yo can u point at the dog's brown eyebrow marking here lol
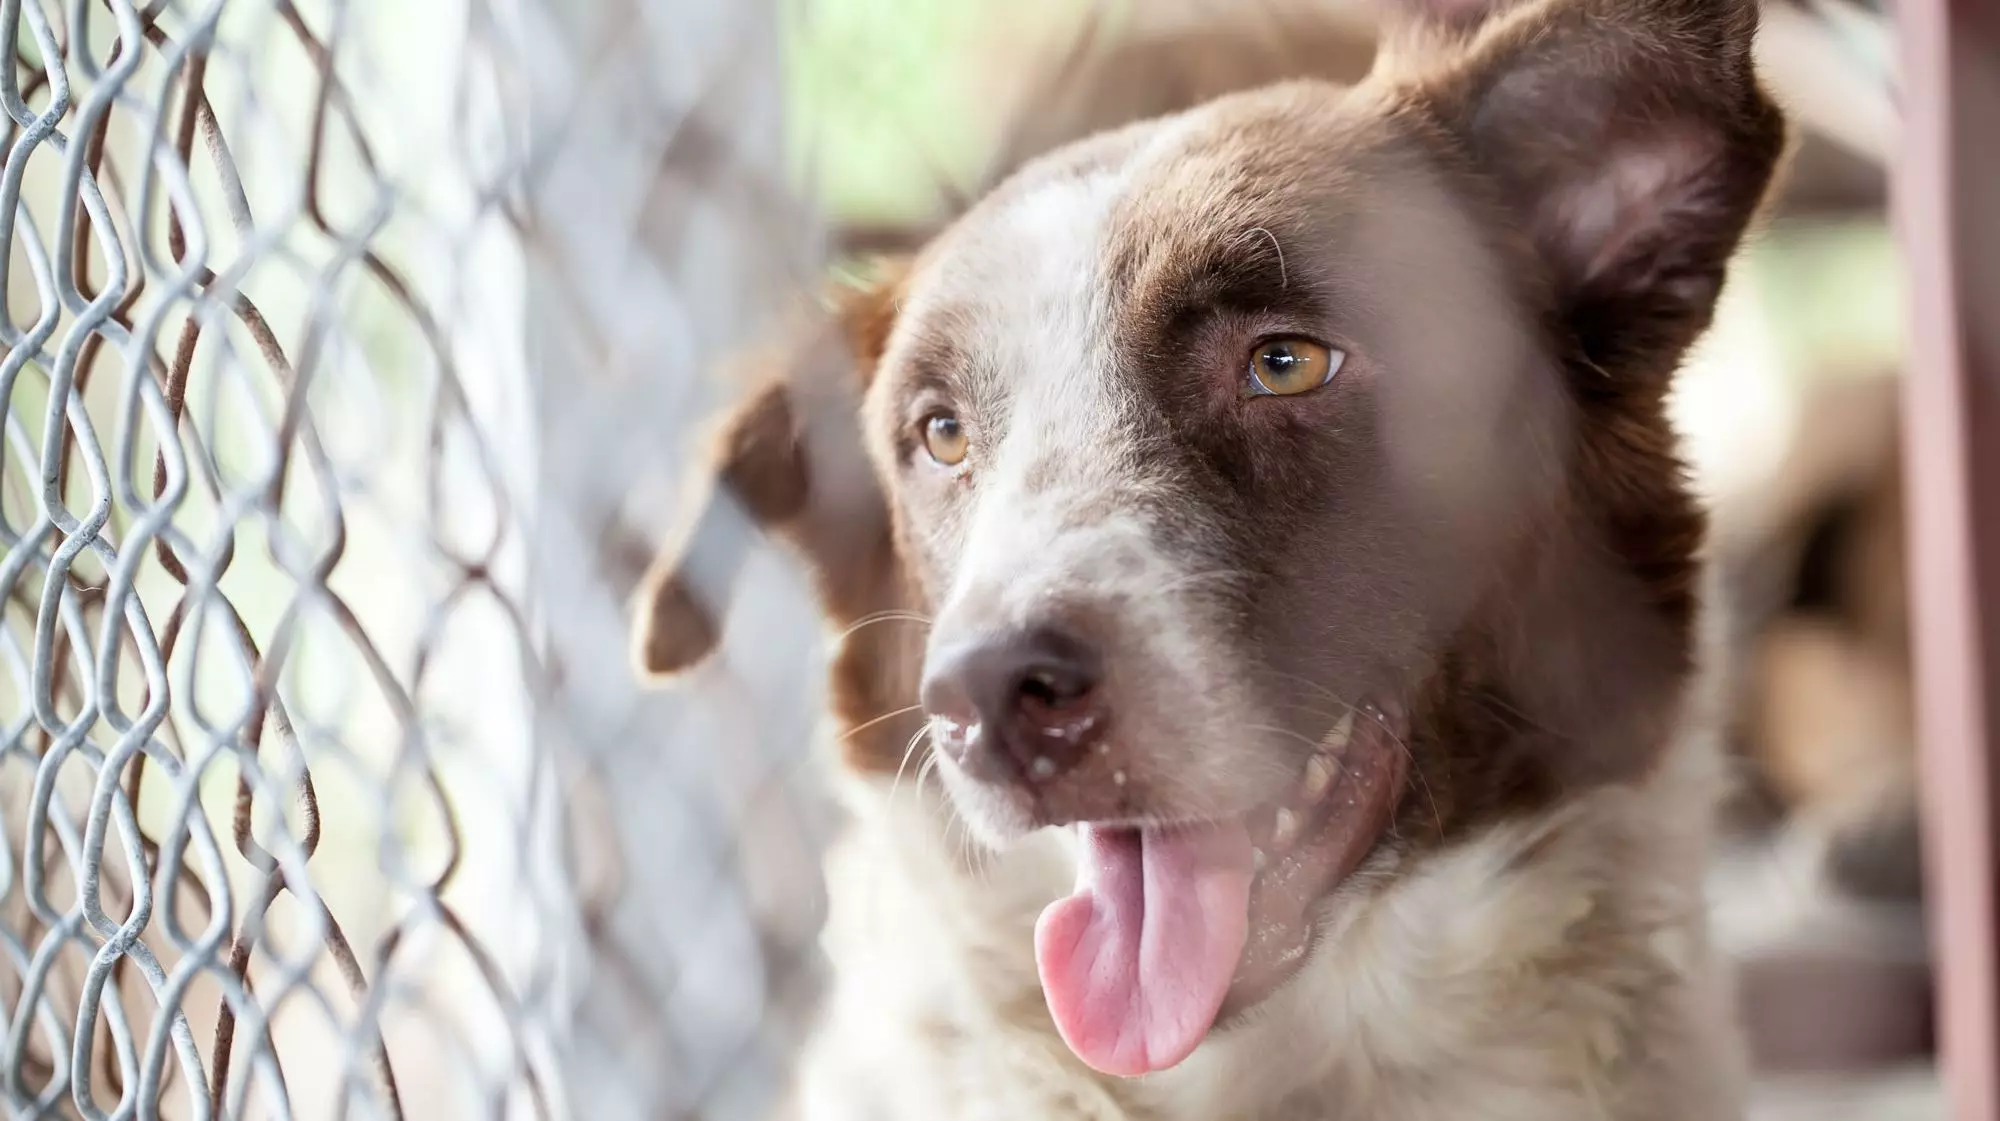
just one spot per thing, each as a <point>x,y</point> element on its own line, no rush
<point>1245,273</point>
<point>928,381</point>
<point>936,364</point>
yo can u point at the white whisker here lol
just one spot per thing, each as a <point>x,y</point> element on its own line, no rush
<point>873,618</point>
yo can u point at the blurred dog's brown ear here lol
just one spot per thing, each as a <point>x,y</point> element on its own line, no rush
<point>1631,142</point>
<point>757,470</point>
<point>1415,33</point>
<point>787,460</point>
<point>866,310</point>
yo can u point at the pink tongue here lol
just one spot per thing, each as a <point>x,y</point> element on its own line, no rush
<point>1135,964</point>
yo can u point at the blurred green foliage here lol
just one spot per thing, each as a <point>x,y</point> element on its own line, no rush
<point>1834,293</point>
<point>880,118</point>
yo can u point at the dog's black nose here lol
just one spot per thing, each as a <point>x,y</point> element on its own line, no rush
<point>1024,702</point>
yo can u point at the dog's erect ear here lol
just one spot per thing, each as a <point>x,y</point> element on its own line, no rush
<point>788,460</point>
<point>1631,142</point>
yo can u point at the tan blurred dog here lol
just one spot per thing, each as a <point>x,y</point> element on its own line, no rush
<point>1824,708</point>
<point>1310,599</point>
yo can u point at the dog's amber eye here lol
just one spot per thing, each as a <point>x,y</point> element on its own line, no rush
<point>945,439</point>
<point>1286,366</point>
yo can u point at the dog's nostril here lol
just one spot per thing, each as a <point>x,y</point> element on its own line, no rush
<point>1057,673</point>
<point>1055,687</point>
<point>1033,693</point>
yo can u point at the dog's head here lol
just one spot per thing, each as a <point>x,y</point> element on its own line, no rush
<point>1254,465</point>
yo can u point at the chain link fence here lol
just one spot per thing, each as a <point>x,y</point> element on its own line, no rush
<point>351,359</point>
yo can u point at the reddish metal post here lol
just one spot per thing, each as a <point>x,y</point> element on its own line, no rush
<point>1947,202</point>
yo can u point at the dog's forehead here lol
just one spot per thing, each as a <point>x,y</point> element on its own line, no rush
<point>1036,250</point>
<point>1036,257</point>
<point>1075,242</point>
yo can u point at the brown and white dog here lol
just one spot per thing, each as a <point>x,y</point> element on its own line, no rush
<point>1274,512</point>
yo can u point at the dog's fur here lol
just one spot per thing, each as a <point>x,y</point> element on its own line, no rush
<point>1514,233</point>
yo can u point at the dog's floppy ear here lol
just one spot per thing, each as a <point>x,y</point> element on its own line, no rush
<point>1630,141</point>
<point>788,460</point>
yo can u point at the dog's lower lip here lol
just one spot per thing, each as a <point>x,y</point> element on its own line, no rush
<point>1291,812</point>
<point>1309,840</point>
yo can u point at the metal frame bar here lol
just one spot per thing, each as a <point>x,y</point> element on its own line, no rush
<point>1948,210</point>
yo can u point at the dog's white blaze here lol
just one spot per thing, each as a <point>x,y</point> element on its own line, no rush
<point>1061,513</point>
<point>1043,327</point>
<point>1067,436</point>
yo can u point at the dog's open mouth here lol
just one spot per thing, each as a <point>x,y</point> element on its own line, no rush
<point>1169,923</point>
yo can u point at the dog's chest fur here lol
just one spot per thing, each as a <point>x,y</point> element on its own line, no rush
<point>1550,968</point>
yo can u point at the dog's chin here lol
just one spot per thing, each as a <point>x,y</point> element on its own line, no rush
<point>1194,922</point>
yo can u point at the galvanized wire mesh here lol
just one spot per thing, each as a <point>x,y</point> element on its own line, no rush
<point>352,353</point>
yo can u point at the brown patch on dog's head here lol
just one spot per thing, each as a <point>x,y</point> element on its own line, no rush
<point>1629,146</point>
<point>787,460</point>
